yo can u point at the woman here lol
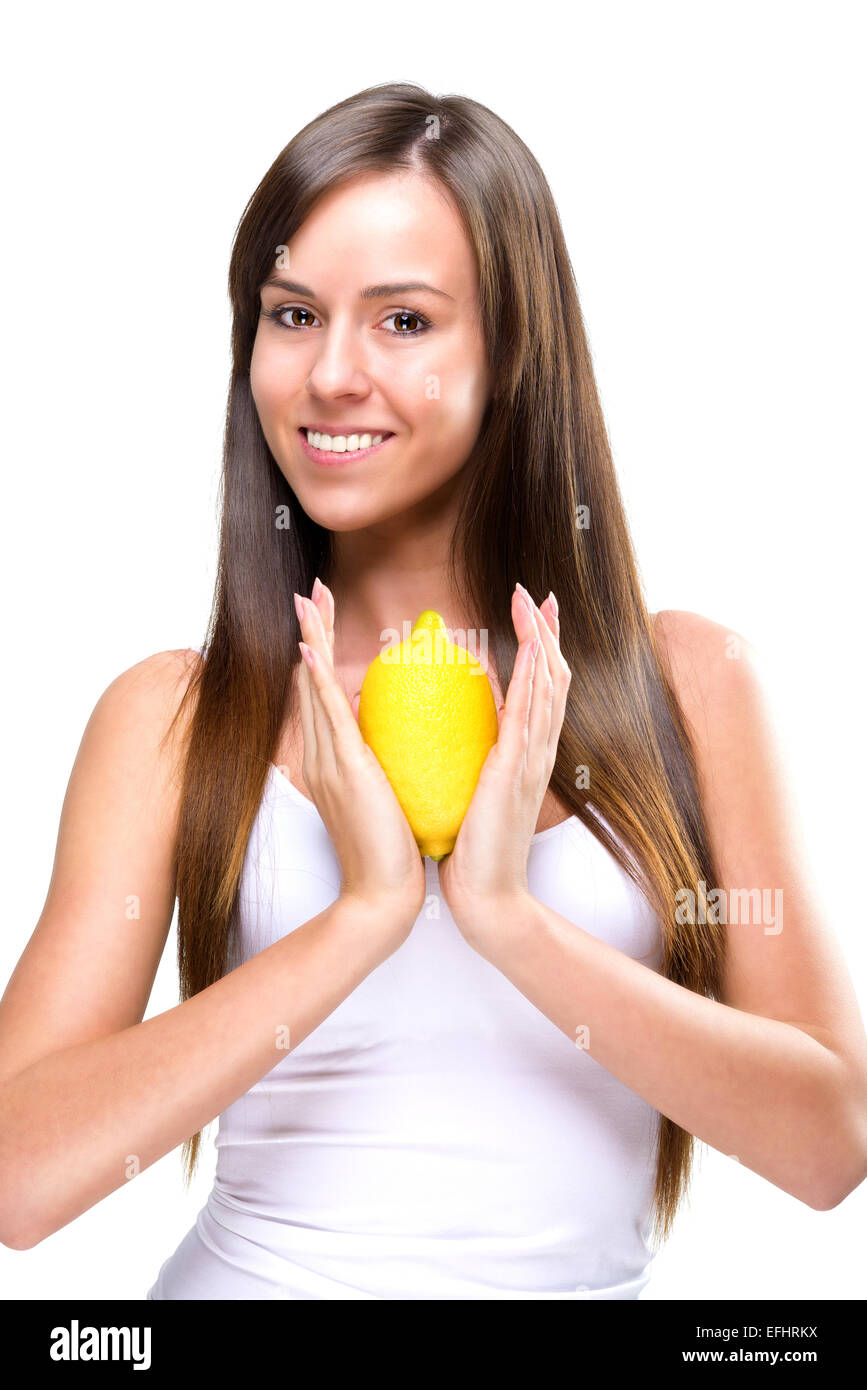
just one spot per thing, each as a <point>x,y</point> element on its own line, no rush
<point>473,1078</point>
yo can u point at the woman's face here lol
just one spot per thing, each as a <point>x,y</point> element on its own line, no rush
<point>342,349</point>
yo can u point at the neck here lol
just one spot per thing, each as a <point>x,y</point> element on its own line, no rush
<point>385,575</point>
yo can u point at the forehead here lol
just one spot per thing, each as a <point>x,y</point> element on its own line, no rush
<point>380,227</point>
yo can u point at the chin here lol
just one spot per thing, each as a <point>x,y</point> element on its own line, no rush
<point>348,516</point>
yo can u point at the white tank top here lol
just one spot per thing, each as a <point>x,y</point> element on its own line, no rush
<point>436,1136</point>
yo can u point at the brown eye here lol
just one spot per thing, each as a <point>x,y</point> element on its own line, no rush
<point>292,312</point>
<point>408,323</point>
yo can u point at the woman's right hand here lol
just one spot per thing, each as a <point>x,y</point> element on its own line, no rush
<point>380,861</point>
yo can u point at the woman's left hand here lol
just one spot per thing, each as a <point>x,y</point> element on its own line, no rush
<point>489,861</point>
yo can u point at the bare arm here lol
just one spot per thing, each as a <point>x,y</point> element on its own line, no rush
<point>77,1123</point>
<point>774,1073</point>
<point>90,1094</point>
<point>761,1090</point>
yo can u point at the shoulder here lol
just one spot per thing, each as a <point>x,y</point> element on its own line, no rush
<point>692,640</point>
<point>158,678</point>
<point>729,699</point>
<point>715,670</point>
<point>727,695</point>
<point>119,811</point>
<point>145,698</point>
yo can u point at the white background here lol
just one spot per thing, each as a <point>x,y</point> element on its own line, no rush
<point>707,161</point>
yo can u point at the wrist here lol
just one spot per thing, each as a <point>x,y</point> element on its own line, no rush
<point>494,921</point>
<point>380,914</point>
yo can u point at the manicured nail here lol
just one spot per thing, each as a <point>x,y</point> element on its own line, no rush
<point>531,607</point>
<point>553,602</point>
<point>526,599</point>
<point>316,591</point>
<point>299,607</point>
<point>308,654</point>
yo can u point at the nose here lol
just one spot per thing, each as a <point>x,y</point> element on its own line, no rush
<point>338,367</point>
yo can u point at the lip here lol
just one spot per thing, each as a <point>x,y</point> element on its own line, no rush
<point>329,460</point>
<point>344,429</point>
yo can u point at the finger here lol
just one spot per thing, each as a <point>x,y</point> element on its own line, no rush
<point>513,735</point>
<point>312,627</point>
<point>339,731</point>
<point>559,668</point>
<point>549,632</point>
<point>306,706</point>
<point>547,609</point>
<point>324,601</point>
<point>538,727</point>
<point>325,755</point>
<point>541,628</point>
<point>542,695</point>
<point>548,625</point>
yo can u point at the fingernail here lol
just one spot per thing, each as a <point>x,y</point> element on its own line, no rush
<point>299,607</point>
<point>525,599</point>
<point>307,654</point>
<point>554,606</point>
<point>316,591</point>
<point>531,607</point>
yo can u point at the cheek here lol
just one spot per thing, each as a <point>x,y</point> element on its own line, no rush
<point>445,392</point>
<point>270,381</point>
<point>454,413</point>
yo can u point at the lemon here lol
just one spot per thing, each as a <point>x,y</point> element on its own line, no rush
<point>428,712</point>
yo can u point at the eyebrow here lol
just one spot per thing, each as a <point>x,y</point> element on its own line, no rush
<point>371,291</point>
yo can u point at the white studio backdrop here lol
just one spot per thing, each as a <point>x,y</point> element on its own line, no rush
<point>707,164</point>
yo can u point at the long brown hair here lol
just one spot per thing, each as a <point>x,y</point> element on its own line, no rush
<point>541,455</point>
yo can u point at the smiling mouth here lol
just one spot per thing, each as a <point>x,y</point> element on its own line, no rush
<point>341,448</point>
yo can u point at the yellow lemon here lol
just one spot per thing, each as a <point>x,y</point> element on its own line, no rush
<point>428,712</point>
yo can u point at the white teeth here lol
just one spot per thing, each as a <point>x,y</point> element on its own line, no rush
<point>340,443</point>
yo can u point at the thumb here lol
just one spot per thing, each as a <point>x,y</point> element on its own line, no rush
<point>356,700</point>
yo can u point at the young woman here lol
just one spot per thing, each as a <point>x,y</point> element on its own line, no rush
<point>479,1077</point>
